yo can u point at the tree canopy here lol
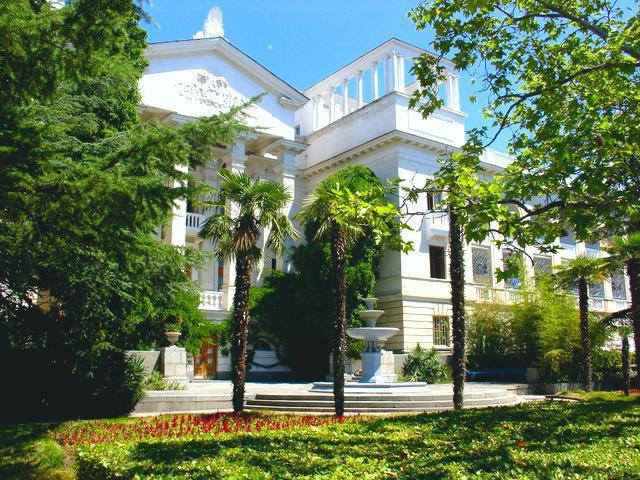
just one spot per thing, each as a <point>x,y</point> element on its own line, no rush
<point>84,190</point>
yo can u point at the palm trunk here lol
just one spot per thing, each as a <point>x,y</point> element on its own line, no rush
<point>585,339</point>
<point>339,334</point>
<point>240,331</point>
<point>633,271</point>
<point>626,373</point>
<point>456,272</point>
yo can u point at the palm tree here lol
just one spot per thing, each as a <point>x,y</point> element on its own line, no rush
<point>242,209</point>
<point>625,252</point>
<point>343,214</point>
<point>458,313</point>
<point>584,270</point>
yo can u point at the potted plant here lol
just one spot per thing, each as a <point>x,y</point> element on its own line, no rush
<point>172,332</point>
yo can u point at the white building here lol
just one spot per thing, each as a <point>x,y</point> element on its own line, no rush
<point>357,115</point>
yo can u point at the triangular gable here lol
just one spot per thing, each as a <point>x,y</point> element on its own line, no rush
<point>206,76</point>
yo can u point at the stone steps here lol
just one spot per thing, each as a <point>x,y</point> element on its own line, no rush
<point>376,403</point>
<point>378,397</point>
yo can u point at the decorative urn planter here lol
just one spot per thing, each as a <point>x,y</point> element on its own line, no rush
<point>172,337</point>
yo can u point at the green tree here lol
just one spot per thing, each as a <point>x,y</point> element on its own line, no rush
<point>242,210</point>
<point>561,83</point>
<point>291,306</point>
<point>343,215</point>
<point>84,189</point>
<point>583,270</point>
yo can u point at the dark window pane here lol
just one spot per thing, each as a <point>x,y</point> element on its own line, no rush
<point>436,262</point>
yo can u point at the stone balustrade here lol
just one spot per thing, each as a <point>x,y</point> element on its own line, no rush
<point>211,300</point>
<point>370,77</point>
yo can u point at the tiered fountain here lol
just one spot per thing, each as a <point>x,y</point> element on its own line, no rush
<point>378,365</point>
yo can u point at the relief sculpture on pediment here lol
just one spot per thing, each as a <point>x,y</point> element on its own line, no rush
<point>210,90</point>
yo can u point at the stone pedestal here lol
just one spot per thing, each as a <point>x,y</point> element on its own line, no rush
<point>174,365</point>
<point>378,367</point>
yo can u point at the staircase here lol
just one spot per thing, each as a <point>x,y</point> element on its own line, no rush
<point>379,403</point>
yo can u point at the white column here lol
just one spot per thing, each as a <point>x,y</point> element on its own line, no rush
<point>359,89</point>
<point>345,97</point>
<point>388,72</point>
<point>314,112</point>
<point>453,99</point>
<point>332,102</point>
<point>394,59</point>
<point>178,225</point>
<point>455,93</point>
<point>235,160</point>
<point>400,82</point>
<point>374,81</point>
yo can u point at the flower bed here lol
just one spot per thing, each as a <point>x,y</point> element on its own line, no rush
<point>183,426</point>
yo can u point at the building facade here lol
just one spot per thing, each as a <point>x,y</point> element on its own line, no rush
<point>358,115</point>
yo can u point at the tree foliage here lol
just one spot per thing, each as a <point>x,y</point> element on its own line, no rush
<point>242,210</point>
<point>343,212</point>
<point>293,309</point>
<point>84,189</point>
<point>561,82</point>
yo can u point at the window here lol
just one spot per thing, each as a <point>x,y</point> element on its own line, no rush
<point>274,264</point>
<point>481,263</point>
<point>436,262</point>
<point>298,130</point>
<point>433,199</point>
<point>508,255</point>
<point>220,274</point>
<point>441,331</point>
<point>596,290</point>
<point>619,286</point>
<point>542,266</point>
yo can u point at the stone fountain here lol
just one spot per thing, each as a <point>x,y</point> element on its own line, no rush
<point>378,365</point>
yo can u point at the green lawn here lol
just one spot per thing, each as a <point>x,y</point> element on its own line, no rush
<point>540,440</point>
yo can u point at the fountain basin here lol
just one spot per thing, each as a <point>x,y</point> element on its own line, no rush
<point>370,316</point>
<point>372,334</point>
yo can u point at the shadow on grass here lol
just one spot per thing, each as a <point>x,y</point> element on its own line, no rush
<point>27,452</point>
<point>535,439</point>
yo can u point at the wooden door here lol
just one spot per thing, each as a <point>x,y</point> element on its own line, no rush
<point>207,362</point>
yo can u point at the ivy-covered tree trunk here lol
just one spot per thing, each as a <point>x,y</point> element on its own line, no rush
<point>585,338</point>
<point>626,371</point>
<point>633,271</point>
<point>240,331</point>
<point>456,273</point>
<point>339,333</point>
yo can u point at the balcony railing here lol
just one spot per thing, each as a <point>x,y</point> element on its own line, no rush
<point>438,224</point>
<point>195,221</point>
<point>479,293</point>
<point>211,300</point>
<point>497,295</point>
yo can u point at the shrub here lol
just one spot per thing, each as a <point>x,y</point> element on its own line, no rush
<point>423,365</point>
<point>73,386</point>
<point>156,381</point>
<point>490,337</point>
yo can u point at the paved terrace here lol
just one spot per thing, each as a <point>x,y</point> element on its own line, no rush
<point>215,395</point>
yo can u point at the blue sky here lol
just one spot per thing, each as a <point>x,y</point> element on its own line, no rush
<point>302,41</point>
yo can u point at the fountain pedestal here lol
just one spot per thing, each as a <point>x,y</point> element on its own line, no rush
<point>378,367</point>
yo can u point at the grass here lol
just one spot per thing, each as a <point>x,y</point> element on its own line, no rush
<point>28,451</point>
<point>549,440</point>
<point>601,396</point>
